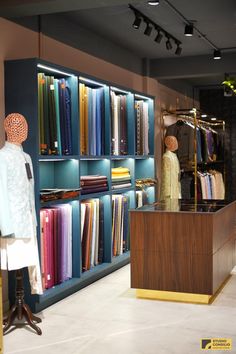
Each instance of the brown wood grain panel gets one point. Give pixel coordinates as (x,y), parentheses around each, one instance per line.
(223,226)
(171,232)
(223,263)
(137,269)
(137,231)
(172,272)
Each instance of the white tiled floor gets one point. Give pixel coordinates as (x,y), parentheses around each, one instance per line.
(106,318)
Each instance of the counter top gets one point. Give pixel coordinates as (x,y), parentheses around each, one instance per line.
(184,205)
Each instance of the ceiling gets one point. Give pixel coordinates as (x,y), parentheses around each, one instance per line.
(111,21)
(214,18)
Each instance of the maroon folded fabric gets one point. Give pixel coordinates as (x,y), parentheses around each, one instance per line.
(98,185)
(92,182)
(94,190)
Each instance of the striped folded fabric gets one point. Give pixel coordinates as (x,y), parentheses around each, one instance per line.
(120,178)
(93,184)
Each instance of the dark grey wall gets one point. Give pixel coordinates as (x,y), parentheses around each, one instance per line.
(212,101)
(179,85)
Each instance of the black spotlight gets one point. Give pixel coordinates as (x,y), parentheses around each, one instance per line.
(137,22)
(178,50)
(148,29)
(217,54)
(159,37)
(188,30)
(168,44)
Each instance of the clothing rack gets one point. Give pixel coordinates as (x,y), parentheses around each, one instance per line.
(193,116)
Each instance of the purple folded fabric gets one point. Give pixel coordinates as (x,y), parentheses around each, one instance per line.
(94,190)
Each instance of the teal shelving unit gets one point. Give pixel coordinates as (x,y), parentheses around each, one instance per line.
(64,171)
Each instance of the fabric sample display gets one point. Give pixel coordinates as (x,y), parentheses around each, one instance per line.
(170,181)
(93,184)
(120,225)
(92,120)
(56,244)
(120,177)
(92,233)
(54,110)
(119,142)
(142,127)
(141,198)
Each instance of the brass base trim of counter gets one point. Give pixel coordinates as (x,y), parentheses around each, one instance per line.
(180,297)
(173,296)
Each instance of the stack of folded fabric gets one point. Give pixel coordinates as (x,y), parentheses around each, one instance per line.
(55,194)
(93,184)
(120,178)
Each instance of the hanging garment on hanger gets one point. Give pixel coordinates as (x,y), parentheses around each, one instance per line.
(187,190)
(199,146)
(204,148)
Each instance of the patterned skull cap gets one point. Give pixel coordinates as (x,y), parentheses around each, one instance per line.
(171,143)
(16,128)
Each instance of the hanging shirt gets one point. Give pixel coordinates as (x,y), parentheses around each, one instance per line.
(17,207)
(17,215)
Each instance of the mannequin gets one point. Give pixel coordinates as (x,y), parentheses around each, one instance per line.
(170,182)
(18,241)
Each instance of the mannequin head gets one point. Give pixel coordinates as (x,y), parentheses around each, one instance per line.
(171,143)
(16,128)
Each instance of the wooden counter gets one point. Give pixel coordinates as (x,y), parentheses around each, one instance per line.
(182,247)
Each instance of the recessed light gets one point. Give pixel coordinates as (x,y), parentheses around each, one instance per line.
(213,118)
(153,3)
(204,115)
